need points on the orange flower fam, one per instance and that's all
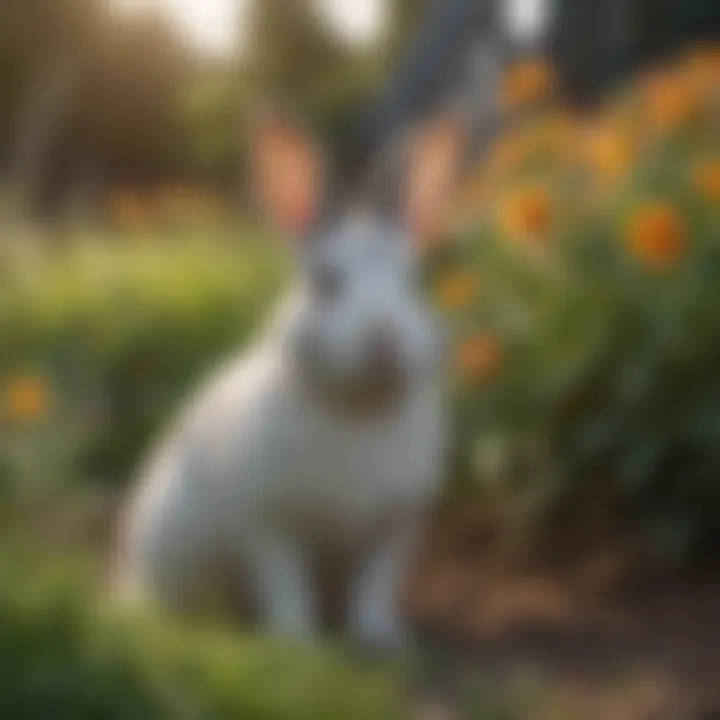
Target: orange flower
(704, 55)
(702, 64)
(706, 178)
(668, 99)
(26, 398)
(657, 235)
(526, 83)
(456, 291)
(480, 358)
(609, 150)
(529, 214)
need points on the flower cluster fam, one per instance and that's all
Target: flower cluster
(580, 284)
(644, 169)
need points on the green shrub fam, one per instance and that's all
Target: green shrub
(102, 340)
(583, 291)
(64, 657)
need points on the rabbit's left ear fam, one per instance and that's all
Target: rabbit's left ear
(435, 156)
(289, 173)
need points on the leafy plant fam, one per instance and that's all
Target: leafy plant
(64, 656)
(581, 284)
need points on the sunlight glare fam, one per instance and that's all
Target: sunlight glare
(357, 21)
(211, 25)
(526, 18)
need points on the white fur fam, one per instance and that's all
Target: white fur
(260, 473)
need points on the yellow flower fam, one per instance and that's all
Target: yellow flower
(609, 150)
(555, 134)
(26, 398)
(456, 291)
(706, 178)
(526, 83)
(657, 235)
(529, 214)
(480, 357)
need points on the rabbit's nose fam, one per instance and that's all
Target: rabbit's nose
(384, 349)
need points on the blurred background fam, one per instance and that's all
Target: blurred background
(574, 554)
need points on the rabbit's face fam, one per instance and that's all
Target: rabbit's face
(362, 330)
(359, 328)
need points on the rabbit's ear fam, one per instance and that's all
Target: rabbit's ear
(433, 165)
(289, 173)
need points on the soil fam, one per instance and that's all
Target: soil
(580, 614)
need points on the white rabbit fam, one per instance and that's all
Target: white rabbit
(329, 431)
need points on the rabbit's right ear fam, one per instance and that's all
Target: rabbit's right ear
(289, 172)
(434, 160)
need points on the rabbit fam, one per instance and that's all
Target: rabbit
(330, 430)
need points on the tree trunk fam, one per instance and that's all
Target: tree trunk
(41, 123)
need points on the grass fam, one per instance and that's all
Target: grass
(67, 652)
(115, 332)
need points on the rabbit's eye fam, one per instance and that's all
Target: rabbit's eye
(329, 283)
